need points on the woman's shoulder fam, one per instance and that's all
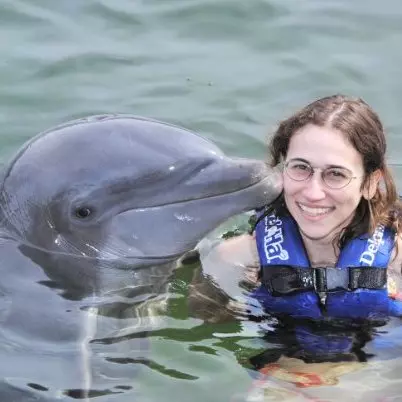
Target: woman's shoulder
(395, 264)
(241, 249)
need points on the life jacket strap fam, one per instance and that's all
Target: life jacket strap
(281, 280)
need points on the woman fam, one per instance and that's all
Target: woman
(325, 258)
(330, 246)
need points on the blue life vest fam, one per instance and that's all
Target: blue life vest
(355, 289)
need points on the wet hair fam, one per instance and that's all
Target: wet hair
(362, 127)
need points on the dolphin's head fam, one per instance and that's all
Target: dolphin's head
(123, 187)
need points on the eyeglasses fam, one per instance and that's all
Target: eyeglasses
(333, 177)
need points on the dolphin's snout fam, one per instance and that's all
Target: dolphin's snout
(257, 170)
(228, 175)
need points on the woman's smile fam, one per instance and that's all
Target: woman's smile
(314, 212)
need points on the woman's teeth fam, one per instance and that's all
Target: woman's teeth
(314, 211)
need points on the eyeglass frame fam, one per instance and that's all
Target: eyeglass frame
(313, 169)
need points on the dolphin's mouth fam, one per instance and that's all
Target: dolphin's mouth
(167, 231)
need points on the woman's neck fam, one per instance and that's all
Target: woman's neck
(320, 252)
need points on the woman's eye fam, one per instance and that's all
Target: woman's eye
(83, 212)
(301, 166)
(337, 173)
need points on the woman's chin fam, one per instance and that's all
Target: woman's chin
(316, 233)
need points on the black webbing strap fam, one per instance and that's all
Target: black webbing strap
(281, 280)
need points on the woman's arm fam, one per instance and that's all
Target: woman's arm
(394, 282)
(241, 252)
(215, 293)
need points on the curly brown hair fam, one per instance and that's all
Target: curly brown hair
(363, 129)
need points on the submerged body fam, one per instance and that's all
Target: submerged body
(94, 215)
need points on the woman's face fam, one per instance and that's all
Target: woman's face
(321, 212)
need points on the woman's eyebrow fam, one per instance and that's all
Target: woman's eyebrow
(326, 166)
(299, 159)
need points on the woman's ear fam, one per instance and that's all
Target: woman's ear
(371, 185)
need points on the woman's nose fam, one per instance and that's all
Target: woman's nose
(315, 187)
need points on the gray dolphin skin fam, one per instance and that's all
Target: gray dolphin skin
(94, 215)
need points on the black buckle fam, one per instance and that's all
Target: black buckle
(327, 279)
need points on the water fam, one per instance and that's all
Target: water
(230, 70)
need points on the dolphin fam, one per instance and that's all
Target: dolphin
(94, 214)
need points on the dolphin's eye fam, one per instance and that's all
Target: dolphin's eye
(83, 212)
